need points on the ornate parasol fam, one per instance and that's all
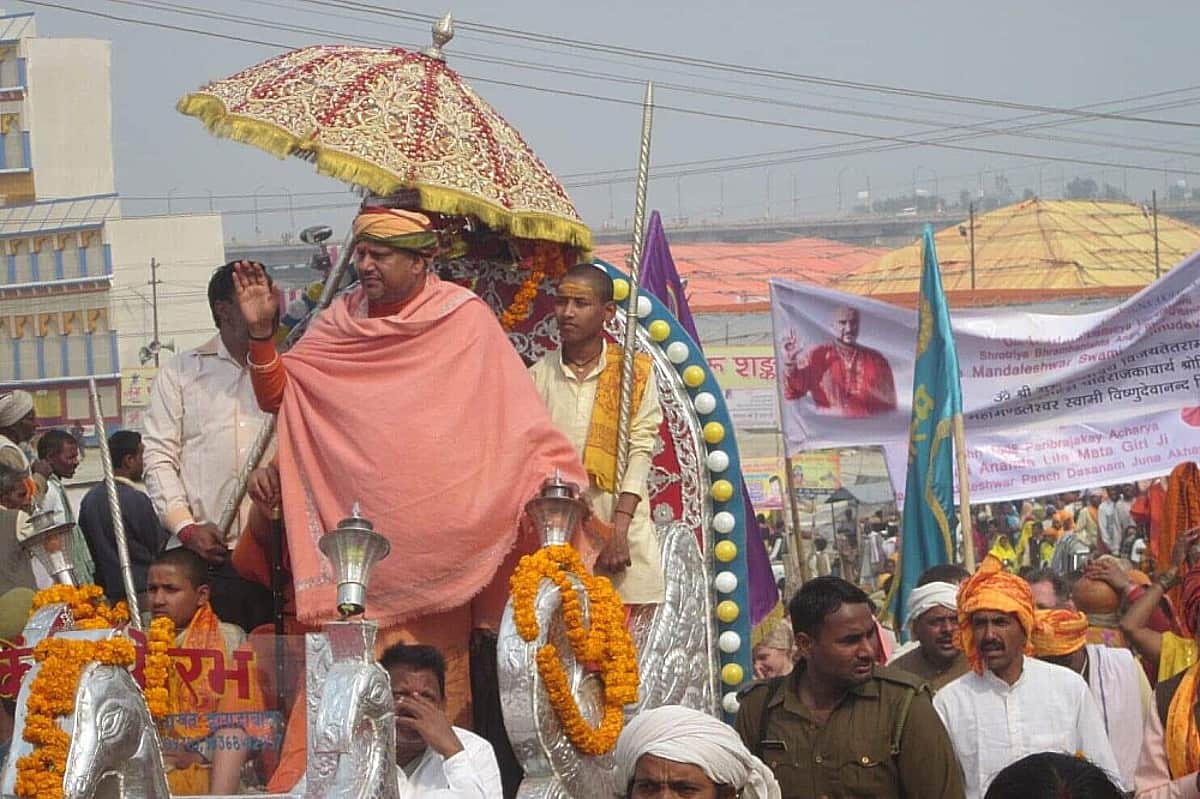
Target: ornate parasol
(390, 119)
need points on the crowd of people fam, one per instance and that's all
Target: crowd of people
(387, 355)
(1066, 661)
(1075, 672)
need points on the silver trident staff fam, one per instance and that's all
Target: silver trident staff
(625, 419)
(114, 507)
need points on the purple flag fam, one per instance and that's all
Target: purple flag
(660, 278)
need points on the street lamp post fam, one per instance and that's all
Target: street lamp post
(170, 191)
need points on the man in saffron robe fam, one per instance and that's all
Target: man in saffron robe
(581, 386)
(843, 377)
(406, 397)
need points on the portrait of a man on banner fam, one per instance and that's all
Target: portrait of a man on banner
(842, 377)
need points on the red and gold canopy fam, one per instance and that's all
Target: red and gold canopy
(390, 119)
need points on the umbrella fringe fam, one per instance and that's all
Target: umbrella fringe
(277, 141)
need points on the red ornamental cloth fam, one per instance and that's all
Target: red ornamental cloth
(429, 421)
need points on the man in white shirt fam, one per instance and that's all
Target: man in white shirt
(201, 423)
(60, 450)
(1117, 682)
(580, 384)
(1010, 706)
(434, 760)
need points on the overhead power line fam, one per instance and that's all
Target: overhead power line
(891, 141)
(743, 69)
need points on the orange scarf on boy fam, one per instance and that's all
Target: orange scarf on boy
(600, 451)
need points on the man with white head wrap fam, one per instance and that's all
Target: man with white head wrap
(932, 614)
(671, 751)
(17, 425)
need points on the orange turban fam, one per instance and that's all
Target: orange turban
(1059, 632)
(393, 227)
(992, 588)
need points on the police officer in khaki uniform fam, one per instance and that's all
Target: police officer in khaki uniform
(839, 725)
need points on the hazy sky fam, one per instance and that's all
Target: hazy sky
(1065, 54)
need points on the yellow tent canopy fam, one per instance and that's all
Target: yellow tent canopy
(1035, 250)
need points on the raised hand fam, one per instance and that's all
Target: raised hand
(792, 346)
(256, 298)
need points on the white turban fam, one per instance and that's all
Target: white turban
(931, 595)
(14, 406)
(684, 735)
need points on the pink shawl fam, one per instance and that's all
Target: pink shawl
(429, 420)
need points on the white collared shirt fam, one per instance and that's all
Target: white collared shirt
(201, 423)
(471, 774)
(993, 724)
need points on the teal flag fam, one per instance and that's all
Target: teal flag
(929, 520)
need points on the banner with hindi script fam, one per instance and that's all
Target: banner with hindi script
(1019, 463)
(845, 364)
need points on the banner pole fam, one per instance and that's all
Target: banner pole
(797, 539)
(964, 493)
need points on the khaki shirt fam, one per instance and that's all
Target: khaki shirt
(850, 755)
(918, 666)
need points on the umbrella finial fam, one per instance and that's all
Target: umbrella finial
(443, 32)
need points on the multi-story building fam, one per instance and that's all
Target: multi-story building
(74, 296)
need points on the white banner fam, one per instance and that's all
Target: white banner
(1046, 396)
(1043, 461)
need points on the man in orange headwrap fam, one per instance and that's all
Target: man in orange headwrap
(1170, 761)
(1118, 684)
(405, 397)
(1018, 705)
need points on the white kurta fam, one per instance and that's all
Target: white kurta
(1123, 695)
(993, 724)
(570, 402)
(470, 774)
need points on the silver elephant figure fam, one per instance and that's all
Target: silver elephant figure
(352, 720)
(115, 750)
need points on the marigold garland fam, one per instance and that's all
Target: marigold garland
(52, 694)
(605, 643)
(522, 302)
(157, 670)
(87, 606)
(543, 259)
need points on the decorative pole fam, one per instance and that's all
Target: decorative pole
(114, 507)
(635, 267)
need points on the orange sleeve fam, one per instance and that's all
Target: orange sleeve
(267, 375)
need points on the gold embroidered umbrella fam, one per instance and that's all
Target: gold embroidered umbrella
(390, 119)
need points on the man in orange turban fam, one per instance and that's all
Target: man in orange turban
(1170, 760)
(1116, 681)
(1017, 705)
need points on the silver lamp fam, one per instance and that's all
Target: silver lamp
(353, 548)
(557, 510)
(50, 544)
